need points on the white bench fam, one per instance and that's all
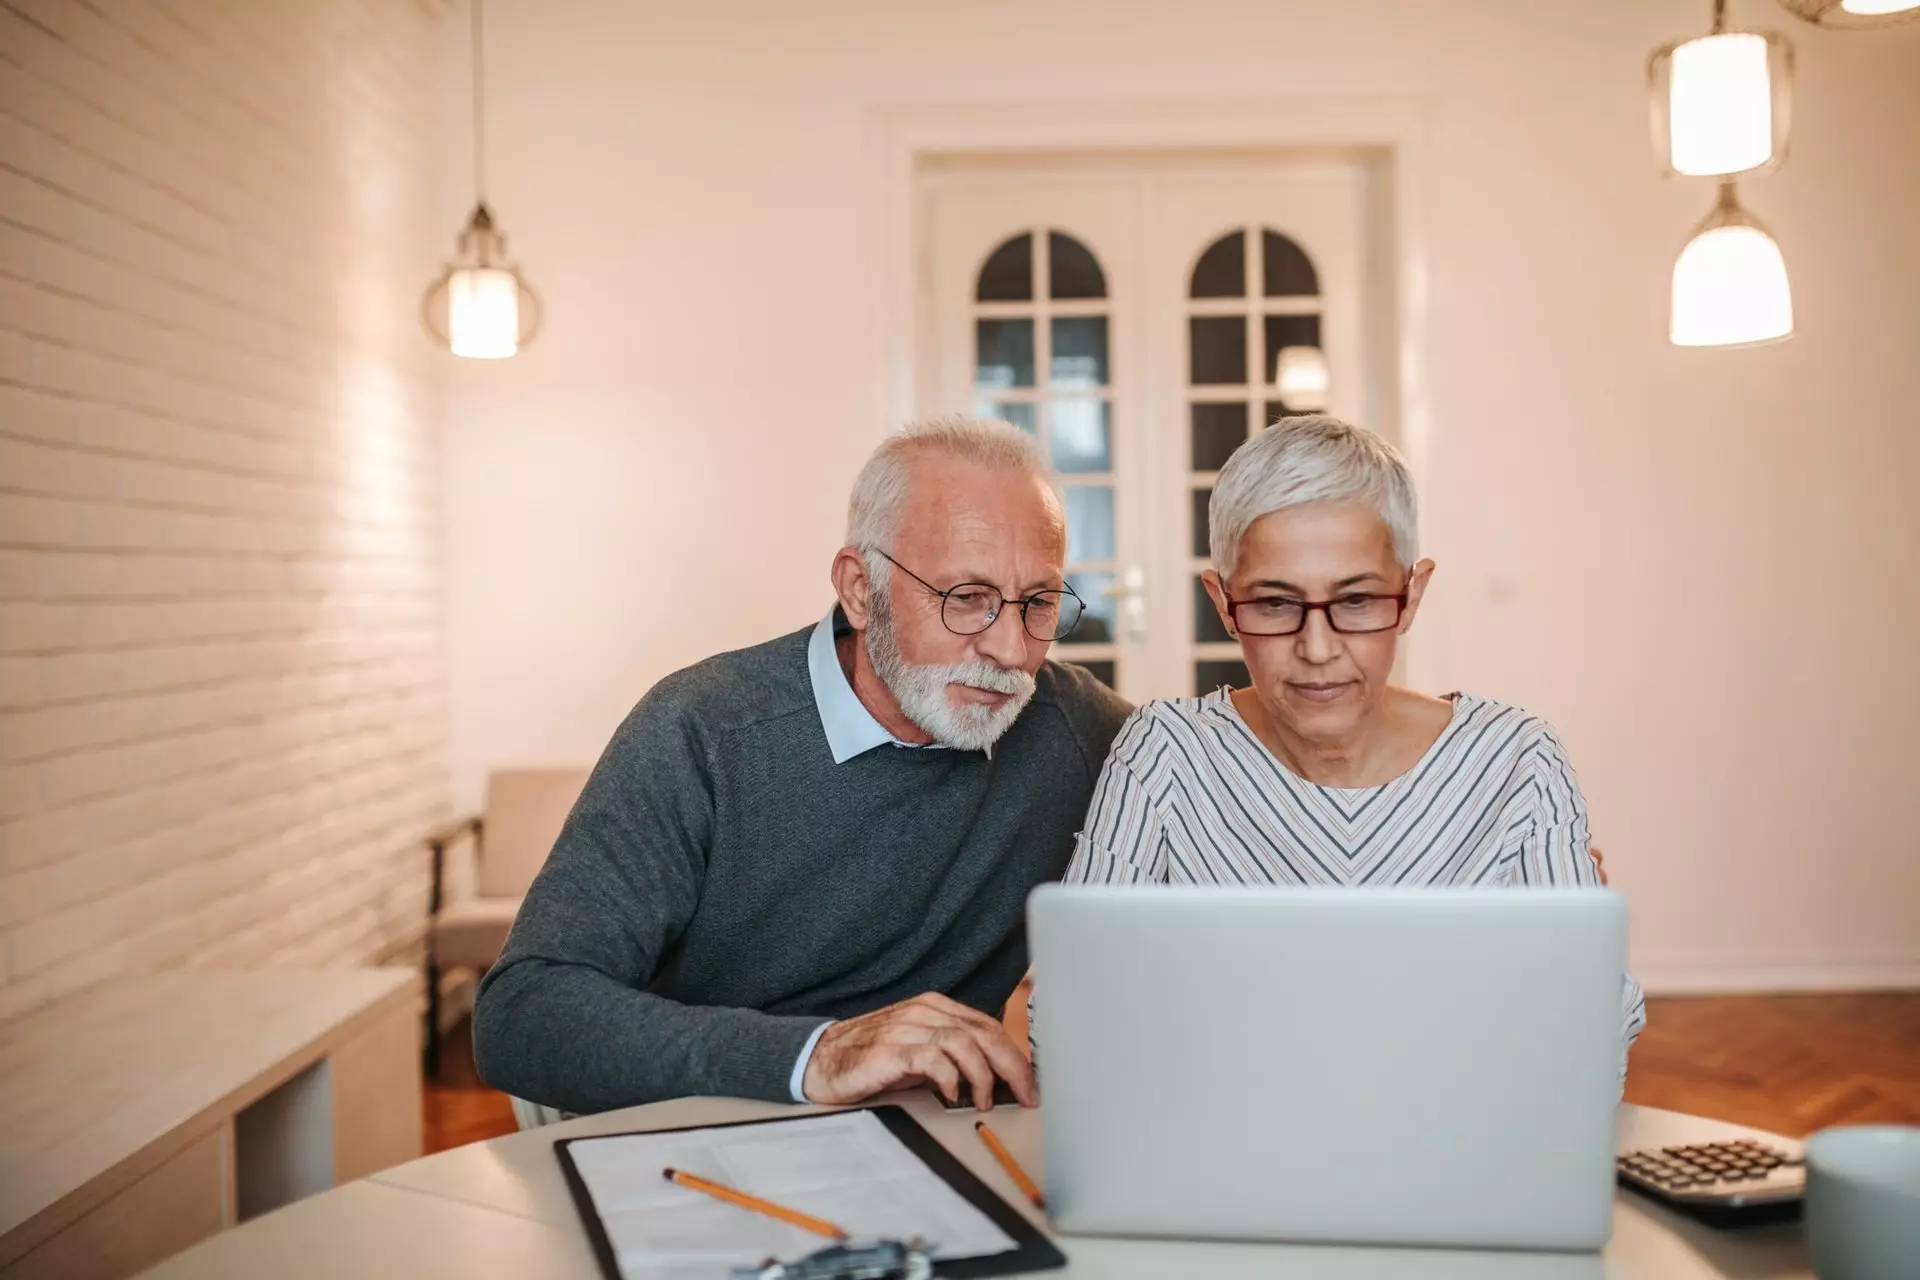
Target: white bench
(143, 1116)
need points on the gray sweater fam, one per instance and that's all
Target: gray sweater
(722, 887)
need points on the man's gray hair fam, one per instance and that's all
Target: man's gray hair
(873, 512)
(1313, 458)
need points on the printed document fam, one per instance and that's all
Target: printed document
(847, 1168)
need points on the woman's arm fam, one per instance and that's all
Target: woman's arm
(1559, 847)
(1123, 842)
(1559, 851)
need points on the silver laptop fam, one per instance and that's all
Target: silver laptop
(1366, 1066)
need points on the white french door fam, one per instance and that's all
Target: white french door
(1132, 316)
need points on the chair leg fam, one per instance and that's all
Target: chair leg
(433, 1021)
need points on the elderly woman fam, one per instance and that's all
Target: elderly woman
(1323, 773)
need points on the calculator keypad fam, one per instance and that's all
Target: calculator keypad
(1742, 1171)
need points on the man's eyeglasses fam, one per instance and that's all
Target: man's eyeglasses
(1353, 614)
(972, 607)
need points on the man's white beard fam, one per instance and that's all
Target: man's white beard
(922, 691)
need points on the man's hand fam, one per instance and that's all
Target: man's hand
(928, 1038)
(1599, 862)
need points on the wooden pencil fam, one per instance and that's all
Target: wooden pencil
(1012, 1166)
(792, 1217)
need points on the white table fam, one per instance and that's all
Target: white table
(500, 1208)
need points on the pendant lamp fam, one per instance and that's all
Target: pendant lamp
(1721, 102)
(481, 307)
(1730, 282)
(1301, 378)
(1854, 14)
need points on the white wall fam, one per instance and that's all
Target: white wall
(1644, 544)
(222, 715)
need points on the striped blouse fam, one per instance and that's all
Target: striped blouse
(1190, 796)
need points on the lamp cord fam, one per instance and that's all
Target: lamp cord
(1719, 15)
(479, 105)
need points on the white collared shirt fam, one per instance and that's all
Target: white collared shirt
(850, 728)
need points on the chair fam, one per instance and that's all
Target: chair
(469, 915)
(534, 1115)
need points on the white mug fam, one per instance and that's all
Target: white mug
(1863, 1202)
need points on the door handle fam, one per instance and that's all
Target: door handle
(1131, 592)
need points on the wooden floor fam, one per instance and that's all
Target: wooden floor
(458, 1108)
(1789, 1064)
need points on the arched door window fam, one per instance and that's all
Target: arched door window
(1041, 328)
(1253, 357)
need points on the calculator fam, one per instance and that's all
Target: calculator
(1722, 1183)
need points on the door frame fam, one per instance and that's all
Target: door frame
(1391, 137)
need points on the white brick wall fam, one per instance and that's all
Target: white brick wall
(222, 725)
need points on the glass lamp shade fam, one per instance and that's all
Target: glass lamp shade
(1722, 103)
(1730, 283)
(483, 313)
(480, 307)
(1301, 377)
(1854, 13)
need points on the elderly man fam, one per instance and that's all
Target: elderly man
(799, 870)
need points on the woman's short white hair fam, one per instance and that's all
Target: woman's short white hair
(1313, 458)
(880, 492)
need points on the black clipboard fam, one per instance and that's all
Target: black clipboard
(1032, 1250)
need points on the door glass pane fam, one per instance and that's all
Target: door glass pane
(1003, 353)
(1210, 675)
(1202, 501)
(1089, 523)
(1277, 411)
(1218, 429)
(1218, 349)
(1080, 431)
(1097, 623)
(1072, 270)
(1288, 331)
(1008, 274)
(1102, 670)
(1285, 270)
(1079, 352)
(1222, 269)
(1207, 627)
(1023, 416)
